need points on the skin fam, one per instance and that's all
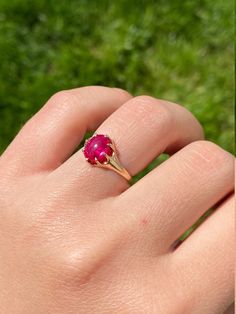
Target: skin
(78, 239)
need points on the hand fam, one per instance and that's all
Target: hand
(78, 239)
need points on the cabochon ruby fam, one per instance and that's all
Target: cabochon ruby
(97, 147)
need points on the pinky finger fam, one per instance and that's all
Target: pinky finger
(206, 262)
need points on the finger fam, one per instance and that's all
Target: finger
(55, 131)
(231, 309)
(142, 128)
(174, 195)
(206, 262)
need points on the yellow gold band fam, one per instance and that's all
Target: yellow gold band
(114, 164)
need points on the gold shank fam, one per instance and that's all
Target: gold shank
(114, 164)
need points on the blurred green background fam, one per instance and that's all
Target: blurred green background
(178, 50)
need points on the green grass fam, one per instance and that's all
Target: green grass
(177, 50)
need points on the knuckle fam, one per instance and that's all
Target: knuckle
(153, 112)
(122, 93)
(207, 155)
(63, 100)
(145, 99)
(75, 267)
(62, 95)
(71, 267)
(75, 262)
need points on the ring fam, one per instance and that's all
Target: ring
(99, 150)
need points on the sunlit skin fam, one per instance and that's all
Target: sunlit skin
(75, 238)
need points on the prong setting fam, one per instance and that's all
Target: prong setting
(100, 151)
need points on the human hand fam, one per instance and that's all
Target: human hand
(78, 239)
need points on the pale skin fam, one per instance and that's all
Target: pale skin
(78, 239)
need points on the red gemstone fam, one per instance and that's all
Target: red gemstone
(97, 147)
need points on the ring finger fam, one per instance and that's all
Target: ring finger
(142, 128)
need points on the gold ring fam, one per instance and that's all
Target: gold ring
(100, 151)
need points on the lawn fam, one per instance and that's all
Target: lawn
(178, 50)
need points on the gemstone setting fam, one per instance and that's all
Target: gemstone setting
(97, 148)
